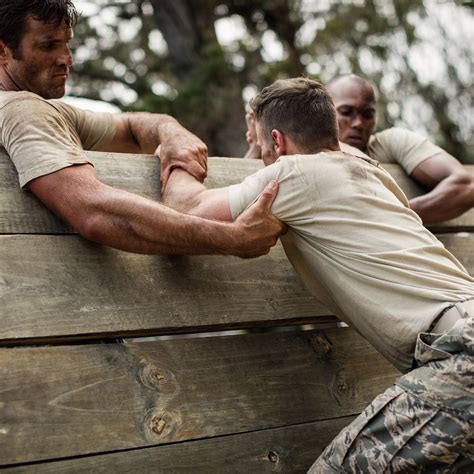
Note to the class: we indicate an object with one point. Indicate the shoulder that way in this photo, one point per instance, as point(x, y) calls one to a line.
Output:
point(397, 145)
point(18, 100)
point(383, 143)
point(27, 107)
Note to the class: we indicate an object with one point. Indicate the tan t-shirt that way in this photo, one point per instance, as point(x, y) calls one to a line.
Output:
point(42, 136)
point(396, 145)
point(359, 248)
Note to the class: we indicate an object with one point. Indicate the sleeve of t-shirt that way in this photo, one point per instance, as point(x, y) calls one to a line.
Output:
point(291, 191)
point(94, 129)
point(396, 145)
point(38, 139)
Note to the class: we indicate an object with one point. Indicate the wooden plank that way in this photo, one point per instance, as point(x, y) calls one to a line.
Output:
point(290, 449)
point(63, 287)
point(68, 401)
point(20, 212)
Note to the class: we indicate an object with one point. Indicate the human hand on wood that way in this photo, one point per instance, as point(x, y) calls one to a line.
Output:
point(181, 149)
point(257, 228)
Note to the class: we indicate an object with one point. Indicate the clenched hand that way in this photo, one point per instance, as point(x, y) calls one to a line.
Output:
point(181, 149)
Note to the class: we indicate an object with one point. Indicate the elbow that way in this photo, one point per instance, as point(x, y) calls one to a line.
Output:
point(89, 217)
point(463, 184)
point(90, 227)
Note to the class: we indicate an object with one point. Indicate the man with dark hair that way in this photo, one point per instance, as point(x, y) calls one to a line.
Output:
point(367, 257)
point(46, 138)
point(451, 187)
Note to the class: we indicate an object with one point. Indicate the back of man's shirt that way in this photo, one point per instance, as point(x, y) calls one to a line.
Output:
point(359, 248)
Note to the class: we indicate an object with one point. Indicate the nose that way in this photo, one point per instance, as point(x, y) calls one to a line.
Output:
point(65, 58)
point(356, 121)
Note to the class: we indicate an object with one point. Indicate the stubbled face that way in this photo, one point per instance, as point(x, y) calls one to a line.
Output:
point(43, 60)
point(267, 145)
point(355, 106)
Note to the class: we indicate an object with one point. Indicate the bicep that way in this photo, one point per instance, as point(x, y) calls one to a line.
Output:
point(213, 204)
point(433, 170)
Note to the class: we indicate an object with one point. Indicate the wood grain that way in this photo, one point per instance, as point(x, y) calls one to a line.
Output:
point(77, 400)
point(20, 212)
point(290, 449)
point(55, 288)
point(63, 286)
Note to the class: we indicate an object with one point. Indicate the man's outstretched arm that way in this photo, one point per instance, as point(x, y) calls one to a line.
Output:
point(143, 132)
point(451, 189)
point(185, 194)
point(130, 222)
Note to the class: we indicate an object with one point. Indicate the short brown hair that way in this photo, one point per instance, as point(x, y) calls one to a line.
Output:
point(300, 108)
point(14, 13)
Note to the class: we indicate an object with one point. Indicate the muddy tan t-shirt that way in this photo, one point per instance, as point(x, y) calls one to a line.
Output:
point(359, 248)
point(396, 145)
point(42, 136)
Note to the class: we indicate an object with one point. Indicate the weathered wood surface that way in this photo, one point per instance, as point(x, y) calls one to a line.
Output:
point(289, 450)
point(68, 401)
point(20, 212)
point(56, 288)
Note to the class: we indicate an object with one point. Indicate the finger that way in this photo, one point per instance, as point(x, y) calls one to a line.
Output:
point(164, 176)
point(194, 169)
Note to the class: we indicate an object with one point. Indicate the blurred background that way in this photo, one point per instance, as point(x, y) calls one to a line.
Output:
point(202, 60)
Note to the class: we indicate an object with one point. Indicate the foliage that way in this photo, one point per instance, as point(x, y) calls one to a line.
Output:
point(167, 56)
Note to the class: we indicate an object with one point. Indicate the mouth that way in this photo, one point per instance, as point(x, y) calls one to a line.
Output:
point(62, 75)
point(354, 139)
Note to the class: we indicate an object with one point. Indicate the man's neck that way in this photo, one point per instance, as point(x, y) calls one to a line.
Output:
point(7, 83)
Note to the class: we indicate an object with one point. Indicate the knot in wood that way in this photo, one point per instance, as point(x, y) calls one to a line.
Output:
point(273, 457)
point(158, 424)
point(156, 376)
point(342, 387)
point(161, 424)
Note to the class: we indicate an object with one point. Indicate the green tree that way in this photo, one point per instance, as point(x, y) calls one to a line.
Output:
point(166, 55)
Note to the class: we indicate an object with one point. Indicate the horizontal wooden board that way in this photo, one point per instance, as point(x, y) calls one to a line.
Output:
point(75, 400)
point(20, 212)
point(289, 450)
point(55, 288)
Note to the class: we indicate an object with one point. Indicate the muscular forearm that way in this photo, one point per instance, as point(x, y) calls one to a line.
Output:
point(133, 223)
point(185, 194)
point(449, 199)
point(182, 192)
point(150, 130)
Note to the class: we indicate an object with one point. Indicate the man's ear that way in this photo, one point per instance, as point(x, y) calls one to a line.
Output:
point(279, 142)
point(4, 53)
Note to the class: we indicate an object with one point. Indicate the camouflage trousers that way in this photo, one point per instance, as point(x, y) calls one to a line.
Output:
point(424, 423)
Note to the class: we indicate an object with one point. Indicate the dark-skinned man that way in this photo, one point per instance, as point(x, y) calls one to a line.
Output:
point(46, 138)
point(451, 187)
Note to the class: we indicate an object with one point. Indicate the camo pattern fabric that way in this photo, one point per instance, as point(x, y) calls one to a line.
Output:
point(424, 423)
